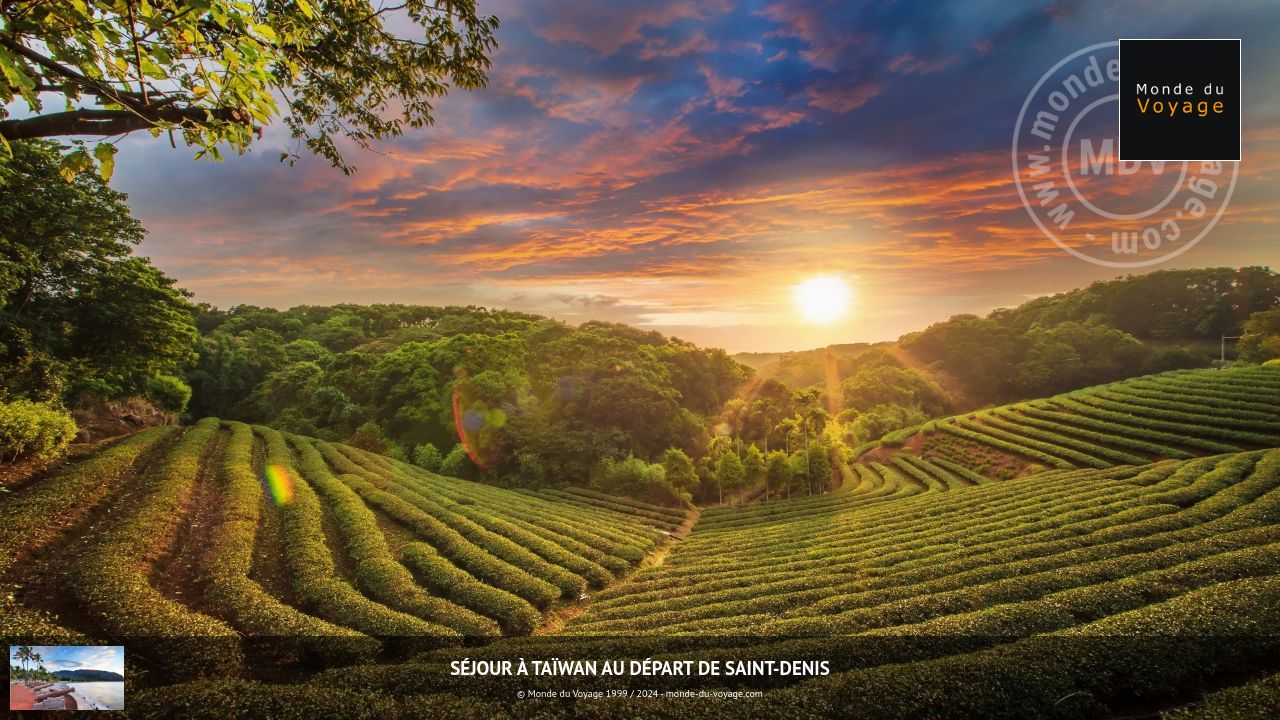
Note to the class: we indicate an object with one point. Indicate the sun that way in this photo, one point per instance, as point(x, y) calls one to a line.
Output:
point(823, 299)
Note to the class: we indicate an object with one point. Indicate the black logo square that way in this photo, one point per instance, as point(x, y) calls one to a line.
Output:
point(1180, 100)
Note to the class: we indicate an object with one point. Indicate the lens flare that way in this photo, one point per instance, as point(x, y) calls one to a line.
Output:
point(479, 426)
point(279, 484)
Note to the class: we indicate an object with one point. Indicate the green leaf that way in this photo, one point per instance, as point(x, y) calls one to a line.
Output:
point(14, 74)
point(74, 163)
point(106, 155)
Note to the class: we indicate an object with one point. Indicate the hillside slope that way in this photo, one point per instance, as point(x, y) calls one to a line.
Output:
point(171, 533)
point(1174, 415)
point(1147, 555)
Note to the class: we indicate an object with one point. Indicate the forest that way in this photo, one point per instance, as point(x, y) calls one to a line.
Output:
point(88, 329)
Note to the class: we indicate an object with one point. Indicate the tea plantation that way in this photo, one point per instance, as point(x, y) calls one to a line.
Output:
point(1112, 552)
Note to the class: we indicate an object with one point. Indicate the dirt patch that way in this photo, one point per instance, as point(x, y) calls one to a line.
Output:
point(175, 575)
point(268, 568)
point(690, 519)
point(883, 453)
point(554, 619)
point(101, 420)
point(980, 458)
point(20, 697)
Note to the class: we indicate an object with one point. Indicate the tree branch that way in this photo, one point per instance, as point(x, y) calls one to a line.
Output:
point(127, 99)
point(114, 122)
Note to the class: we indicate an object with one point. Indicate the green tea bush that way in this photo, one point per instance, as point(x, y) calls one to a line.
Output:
point(225, 565)
point(110, 572)
point(517, 616)
point(36, 430)
point(376, 571)
point(312, 571)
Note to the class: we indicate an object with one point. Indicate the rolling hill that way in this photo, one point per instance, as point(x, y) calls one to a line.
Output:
point(1131, 528)
point(170, 533)
point(1174, 415)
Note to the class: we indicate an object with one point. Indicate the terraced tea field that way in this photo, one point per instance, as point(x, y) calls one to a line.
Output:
point(1108, 553)
point(171, 533)
point(1175, 415)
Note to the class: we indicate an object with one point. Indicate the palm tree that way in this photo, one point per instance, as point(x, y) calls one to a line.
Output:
point(23, 655)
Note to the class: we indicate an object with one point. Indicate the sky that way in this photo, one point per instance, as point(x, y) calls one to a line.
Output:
point(682, 164)
point(71, 657)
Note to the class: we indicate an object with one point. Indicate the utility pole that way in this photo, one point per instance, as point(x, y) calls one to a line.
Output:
point(1223, 357)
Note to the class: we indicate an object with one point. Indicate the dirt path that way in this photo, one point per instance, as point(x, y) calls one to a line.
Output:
point(659, 554)
point(690, 519)
point(174, 575)
point(20, 697)
point(268, 568)
point(560, 615)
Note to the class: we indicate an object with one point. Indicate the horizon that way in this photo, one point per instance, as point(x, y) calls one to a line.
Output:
point(763, 351)
point(680, 166)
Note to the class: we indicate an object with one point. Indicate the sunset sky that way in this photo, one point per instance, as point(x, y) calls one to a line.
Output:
point(680, 165)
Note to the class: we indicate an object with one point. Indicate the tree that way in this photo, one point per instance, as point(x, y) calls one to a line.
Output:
point(881, 420)
point(369, 437)
point(777, 474)
point(719, 446)
point(753, 464)
point(818, 470)
point(979, 352)
point(885, 384)
point(216, 70)
point(811, 409)
point(23, 655)
point(636, 478)
point(729, 474)
point(1261, 339)
point(427, 457)
point(75, 306)
point(771, 403)
point(456, 463)
point(679, 470)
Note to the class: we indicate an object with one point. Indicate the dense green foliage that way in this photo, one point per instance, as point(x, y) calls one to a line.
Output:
point(79, 315)
point(636, 478)
point(1164, 305)
point(352, 70)
point(1107, 331)
point(534, 401)
point(1261, 339)
point(31, 429)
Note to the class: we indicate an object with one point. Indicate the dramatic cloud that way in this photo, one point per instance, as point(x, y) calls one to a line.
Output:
point(680, 164)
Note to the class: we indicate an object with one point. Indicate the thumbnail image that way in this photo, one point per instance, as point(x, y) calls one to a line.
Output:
point(66, 677)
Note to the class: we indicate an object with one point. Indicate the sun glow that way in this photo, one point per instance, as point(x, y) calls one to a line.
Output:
point(822, 299)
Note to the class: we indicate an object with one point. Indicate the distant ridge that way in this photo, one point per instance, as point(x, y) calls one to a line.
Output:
point(89, 675)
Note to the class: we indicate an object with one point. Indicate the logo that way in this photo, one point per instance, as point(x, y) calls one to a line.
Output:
point(1070, 178)
point(1180, 100)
